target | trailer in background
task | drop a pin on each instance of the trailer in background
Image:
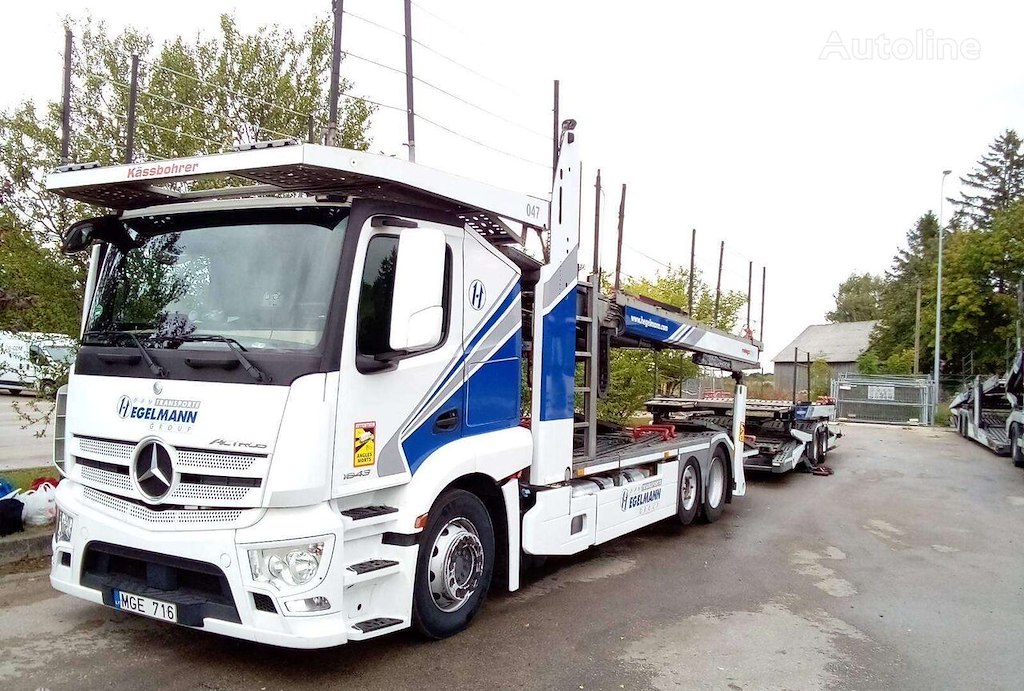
(779, 435)
(982, 412)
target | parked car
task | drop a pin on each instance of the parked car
(31, 361)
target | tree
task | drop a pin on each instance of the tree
(858, 299)
(912, 267)
(196, 96)
(995, 183)
(633, 371)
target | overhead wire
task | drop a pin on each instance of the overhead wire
(546, 166)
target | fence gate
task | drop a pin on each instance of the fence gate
(895, 399)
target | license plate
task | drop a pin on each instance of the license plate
(145, 606)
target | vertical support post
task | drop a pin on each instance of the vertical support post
(410, 109)
(796, 365)
(917, 333)
(654, 361)
(133, 102)
(718, 285)
(556, 128)
(310, 135)
(808, 375)
(750, 288)
(693, 270)
(332, 99)
(65, 104)
(597, 228)
(618, 245)
(764, 277)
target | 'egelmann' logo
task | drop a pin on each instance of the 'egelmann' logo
(644, 494)
(160, 410)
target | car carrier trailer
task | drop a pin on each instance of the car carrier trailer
(779, 435)
(295, 417)
(981, 412)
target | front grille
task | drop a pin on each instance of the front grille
(168, 518)
(210, 479)
(200, 590)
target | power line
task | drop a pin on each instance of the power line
(438, 125)
(482, 109)
(467, 35)
(225, 89)
(450, 95)
(373, 23)
(183, 134)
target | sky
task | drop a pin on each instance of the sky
(807, 136)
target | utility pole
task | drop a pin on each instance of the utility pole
(718, 285)
(618, 248)
(65, 107)
(938, 291)
(750, 288)
(917, 333)
(556, 131)
(332, 99)
(133, 100)
(764, 276)
(597, 228)
(410, 110)
(693, 269)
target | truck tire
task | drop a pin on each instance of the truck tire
(47, 388)
(1015, 451)
(454, 566)
(689, 492)
(717, 486)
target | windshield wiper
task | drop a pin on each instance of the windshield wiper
(156, 369)
(236, 348)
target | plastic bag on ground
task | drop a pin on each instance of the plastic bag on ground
(40, 505)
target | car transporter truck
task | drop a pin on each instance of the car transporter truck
(295, 415)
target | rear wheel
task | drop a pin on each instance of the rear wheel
(689, 492)
(455, 565)
(47, 388)
(717, 480)
(1015, 451)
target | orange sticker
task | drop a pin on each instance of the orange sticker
(365, 447)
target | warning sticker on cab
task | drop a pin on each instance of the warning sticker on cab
(365, 452)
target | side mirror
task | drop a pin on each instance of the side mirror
(82, 234)
(417, 310)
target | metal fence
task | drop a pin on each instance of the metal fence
(904, 400)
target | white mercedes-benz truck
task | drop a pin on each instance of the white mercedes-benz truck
(296, 415)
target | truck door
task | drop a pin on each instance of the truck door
(391, 417)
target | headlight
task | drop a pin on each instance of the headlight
(62, 526)
(293, 565)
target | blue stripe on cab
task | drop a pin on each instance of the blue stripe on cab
(558, 363)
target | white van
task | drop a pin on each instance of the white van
(30, 361)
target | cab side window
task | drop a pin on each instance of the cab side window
(376, 293)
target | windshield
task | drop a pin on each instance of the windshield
(263, 277)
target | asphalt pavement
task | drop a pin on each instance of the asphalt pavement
(902, 570)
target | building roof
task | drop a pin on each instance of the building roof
(842, 342)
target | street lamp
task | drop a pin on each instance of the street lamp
(938, 293)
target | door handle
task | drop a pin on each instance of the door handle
(447, 421)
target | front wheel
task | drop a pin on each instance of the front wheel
(1015, 451)
(714, 496)
(455, 565)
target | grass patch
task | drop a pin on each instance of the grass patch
(23, 477)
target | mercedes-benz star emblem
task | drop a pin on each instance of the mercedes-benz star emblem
(157, 388)
(153, 470)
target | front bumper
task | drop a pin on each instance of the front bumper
(98, 535)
